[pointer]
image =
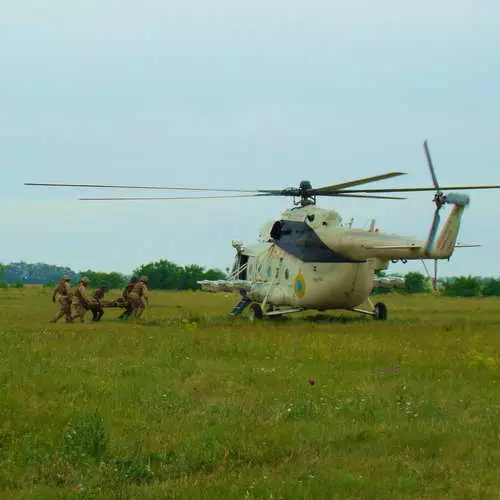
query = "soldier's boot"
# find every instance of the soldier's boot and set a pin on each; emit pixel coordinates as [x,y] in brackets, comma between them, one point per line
[97,314]
[57,318]
[125,314]
[68,317]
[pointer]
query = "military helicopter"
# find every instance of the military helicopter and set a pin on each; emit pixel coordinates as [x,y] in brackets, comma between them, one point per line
[308,259]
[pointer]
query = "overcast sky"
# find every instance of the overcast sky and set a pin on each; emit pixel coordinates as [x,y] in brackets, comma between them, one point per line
[240,94]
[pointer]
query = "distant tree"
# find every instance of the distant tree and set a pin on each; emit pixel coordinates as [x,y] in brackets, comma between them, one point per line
[2,270]
[491,287]
[190,275]
[463,286]
[111,280]
[38,273]
[165,275]
[415,283]
[214,274]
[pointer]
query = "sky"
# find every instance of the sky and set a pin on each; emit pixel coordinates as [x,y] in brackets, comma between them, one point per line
[249,95]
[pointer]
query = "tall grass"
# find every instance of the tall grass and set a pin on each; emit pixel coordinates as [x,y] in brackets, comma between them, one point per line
[189,403]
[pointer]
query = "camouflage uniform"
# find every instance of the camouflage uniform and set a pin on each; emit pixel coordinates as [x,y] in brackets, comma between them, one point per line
[81,300]
[63,294]
[125,293]
[138,297]
[95,305]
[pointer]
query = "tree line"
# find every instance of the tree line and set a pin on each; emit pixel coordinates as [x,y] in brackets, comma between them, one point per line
[460,286]
[163,275]
[166,275]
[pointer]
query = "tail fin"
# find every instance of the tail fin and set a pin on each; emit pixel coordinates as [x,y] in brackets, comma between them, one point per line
[445,243]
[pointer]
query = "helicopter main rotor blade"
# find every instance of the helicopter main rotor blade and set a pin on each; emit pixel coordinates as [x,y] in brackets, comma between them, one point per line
[407,190]
[276,192]
[366,180]
[112,186]
[431,167]
[174,197]
[347,195]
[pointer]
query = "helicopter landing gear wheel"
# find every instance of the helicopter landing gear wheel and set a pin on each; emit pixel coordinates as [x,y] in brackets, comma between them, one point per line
[380,310]
[255,312]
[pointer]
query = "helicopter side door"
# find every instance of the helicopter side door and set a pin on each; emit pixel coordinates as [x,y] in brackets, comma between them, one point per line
[240,267]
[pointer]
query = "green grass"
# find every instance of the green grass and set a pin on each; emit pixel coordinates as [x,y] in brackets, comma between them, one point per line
[189,403]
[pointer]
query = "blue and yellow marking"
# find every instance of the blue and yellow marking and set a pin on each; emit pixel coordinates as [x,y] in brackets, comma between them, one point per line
[300,285]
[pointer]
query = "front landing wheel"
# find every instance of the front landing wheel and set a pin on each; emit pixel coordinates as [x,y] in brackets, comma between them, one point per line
[255,312]
[380,310]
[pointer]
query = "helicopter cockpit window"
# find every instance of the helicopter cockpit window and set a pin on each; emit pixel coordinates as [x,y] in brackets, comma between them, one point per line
[276,230]
[287,274]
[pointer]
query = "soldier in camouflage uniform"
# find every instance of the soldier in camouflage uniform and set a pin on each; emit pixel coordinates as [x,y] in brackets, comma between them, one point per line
[96,304]
[63,294]
[125,293]
[81,300]
[138,297]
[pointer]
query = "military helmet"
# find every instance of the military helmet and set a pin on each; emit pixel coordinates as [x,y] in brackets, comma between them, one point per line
[85,280]
[143,278]
[66,278]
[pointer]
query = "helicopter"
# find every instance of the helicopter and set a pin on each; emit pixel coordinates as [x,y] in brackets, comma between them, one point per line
[309,260]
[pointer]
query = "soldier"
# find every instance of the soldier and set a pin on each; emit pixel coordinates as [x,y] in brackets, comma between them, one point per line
[96,304]
[63,293]
[138,297]
[125,292]
[81,300]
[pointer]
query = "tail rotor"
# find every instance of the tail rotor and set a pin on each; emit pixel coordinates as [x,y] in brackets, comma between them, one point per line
[439,200]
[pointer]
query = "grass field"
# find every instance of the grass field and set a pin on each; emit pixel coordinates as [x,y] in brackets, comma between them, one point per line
[188,403]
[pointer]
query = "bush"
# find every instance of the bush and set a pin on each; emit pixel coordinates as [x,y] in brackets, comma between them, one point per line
[491,287]
[4,284]
[463,287]
[415,283]
[86,436]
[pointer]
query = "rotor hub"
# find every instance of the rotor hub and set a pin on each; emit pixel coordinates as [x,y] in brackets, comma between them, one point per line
[439,199]
[305,189]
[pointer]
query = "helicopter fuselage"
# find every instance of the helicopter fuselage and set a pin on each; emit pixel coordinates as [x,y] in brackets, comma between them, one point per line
[282,279]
